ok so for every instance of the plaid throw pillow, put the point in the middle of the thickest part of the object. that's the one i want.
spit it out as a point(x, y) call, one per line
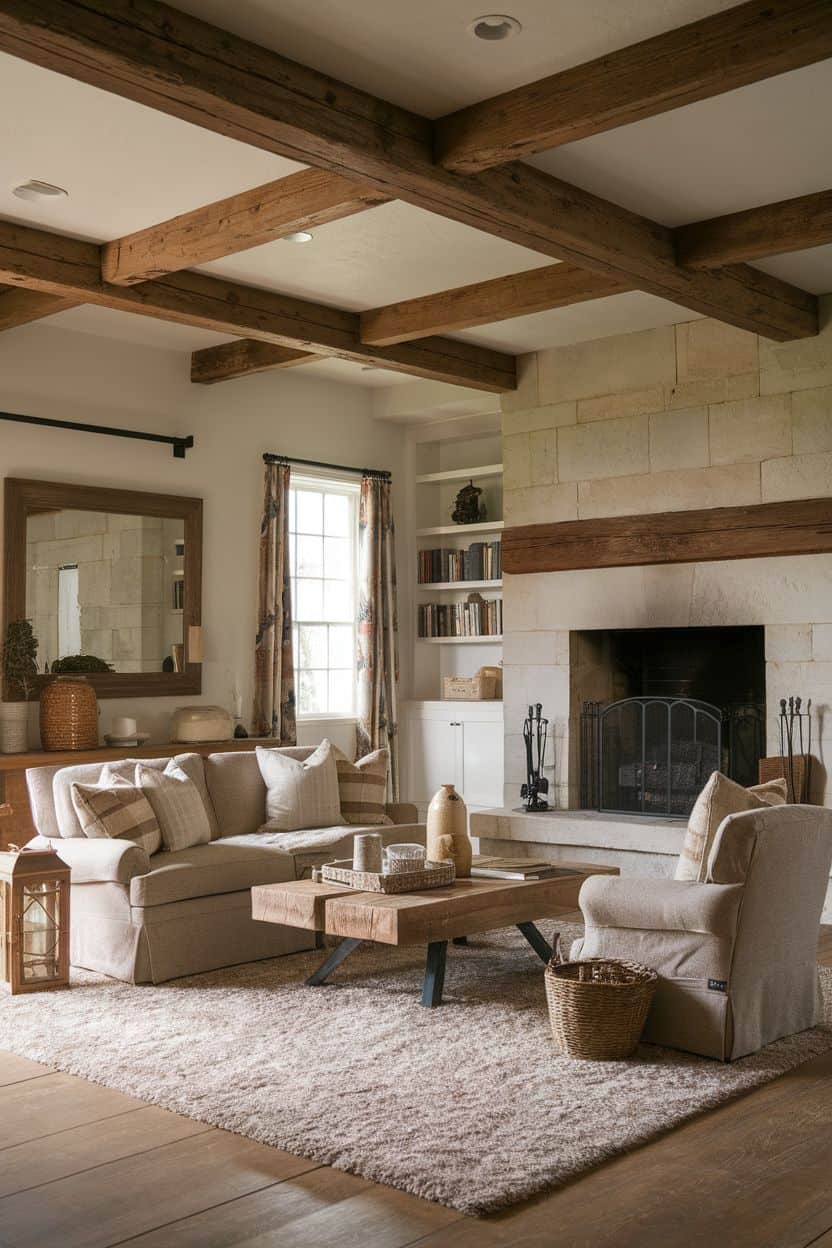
point(362, 787)
point(177, 805)
point(119, 811)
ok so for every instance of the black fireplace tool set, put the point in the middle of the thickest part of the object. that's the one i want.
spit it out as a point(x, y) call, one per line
point(794, 750)
point(535, 733)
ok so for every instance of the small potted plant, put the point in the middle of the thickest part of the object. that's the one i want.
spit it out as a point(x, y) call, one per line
point(20, 670)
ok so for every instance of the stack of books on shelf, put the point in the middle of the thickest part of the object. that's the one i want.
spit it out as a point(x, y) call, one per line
point(480, 562)
point(482, 618)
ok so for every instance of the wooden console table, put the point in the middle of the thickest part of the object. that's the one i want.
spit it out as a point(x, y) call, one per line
point(16, 826)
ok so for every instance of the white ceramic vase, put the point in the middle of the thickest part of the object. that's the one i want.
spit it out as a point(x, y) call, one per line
point(447, 830)
point(14, 719)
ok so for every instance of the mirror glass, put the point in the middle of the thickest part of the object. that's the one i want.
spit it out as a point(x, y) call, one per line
point(107, 586)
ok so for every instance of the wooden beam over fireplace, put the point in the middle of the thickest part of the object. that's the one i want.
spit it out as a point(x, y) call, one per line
point(801, 527)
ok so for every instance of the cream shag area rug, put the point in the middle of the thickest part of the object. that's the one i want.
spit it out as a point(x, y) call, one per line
point(467, 1104)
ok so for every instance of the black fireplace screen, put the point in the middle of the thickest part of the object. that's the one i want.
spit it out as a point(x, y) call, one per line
point(653, 754)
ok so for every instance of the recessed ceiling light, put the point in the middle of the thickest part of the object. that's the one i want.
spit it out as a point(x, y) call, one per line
point(35, 189)
point(494, 26)
point(298, 236)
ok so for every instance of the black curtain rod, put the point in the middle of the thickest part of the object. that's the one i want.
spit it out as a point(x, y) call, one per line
point(268, 458)
point(180, 445)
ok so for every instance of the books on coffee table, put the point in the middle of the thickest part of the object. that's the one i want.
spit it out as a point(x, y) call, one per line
point(490, 868)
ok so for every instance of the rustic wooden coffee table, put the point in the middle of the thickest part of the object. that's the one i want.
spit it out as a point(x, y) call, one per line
point(431, 918)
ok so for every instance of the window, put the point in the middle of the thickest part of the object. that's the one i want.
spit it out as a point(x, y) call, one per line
point(323, 530)
point(69, 611)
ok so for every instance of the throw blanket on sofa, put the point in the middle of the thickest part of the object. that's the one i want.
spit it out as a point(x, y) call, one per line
point(306, 840)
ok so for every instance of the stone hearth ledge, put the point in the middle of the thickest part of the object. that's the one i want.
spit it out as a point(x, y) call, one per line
point(636, 844)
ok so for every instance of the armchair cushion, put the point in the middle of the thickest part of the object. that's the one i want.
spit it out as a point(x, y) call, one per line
point(719, 798)
point(102, 860)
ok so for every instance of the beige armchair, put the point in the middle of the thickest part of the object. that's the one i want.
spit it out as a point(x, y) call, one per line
point(736, 955)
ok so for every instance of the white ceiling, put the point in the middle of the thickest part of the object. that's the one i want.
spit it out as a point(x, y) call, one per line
point(127, 166)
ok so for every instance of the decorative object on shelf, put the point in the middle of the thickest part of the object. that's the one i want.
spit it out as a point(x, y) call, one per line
point(177, 653)
point(535, 733)
point(125, 732)
point(201, 723)
point(421, 875)
point(20, 670)
point(447, 831)
point(367, 852)
point(403, 858)
point(597, 1007)
point(467, 506)
point(34, 920)
point(495, 670)
point(795, 745)
point(68, 714)
point(79, 663)
point(479, 688)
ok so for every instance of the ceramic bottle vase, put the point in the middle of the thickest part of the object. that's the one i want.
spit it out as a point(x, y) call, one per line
point(447, 835)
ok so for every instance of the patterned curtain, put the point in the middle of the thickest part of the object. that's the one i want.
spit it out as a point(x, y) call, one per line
point(378, 627)
point(274, 672)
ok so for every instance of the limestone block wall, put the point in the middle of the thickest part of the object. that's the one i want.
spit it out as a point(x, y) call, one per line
point(687, 416)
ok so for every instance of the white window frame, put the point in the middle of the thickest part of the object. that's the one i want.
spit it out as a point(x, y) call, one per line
point(347, 485)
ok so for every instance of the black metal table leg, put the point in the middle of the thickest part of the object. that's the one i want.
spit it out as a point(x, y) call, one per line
point(537, 940)
point(338, 955)
point(434, 973)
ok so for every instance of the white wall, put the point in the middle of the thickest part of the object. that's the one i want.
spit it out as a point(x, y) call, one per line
point(46, 371)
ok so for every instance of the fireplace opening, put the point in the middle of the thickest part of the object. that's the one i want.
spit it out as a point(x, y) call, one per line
point(655, 711)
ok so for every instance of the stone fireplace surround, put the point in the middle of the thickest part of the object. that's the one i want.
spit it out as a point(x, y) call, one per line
point(677, 418)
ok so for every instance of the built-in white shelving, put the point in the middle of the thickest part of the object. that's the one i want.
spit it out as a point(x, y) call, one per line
point(445, 586)
point(494, 640)
point(457, 530)
point(460, 474)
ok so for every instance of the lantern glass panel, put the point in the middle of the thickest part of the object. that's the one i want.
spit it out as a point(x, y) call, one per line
point(41, 931)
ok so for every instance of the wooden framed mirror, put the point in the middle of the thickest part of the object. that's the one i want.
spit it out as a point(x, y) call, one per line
point(116, 574)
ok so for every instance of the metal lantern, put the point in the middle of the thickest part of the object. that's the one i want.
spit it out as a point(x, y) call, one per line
point(34, 920)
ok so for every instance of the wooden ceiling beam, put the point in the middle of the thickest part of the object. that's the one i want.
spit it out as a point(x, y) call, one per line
point(20, 307)
point(71, 269)
point(770, 230)
point(187, 68)
point(501, 298)
point(719, 53)
point(301, 201)
point(242, 356)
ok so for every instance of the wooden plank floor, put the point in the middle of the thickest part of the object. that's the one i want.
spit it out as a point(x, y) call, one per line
point(84, 1167)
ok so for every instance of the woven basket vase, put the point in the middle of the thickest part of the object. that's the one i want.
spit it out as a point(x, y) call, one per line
point(68, 715)
point(598, 1007)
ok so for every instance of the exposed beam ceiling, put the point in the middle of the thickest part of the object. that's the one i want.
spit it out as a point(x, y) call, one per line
point(483, 303)
point(19, 307)
point(302, 201)
point(706, 58)
point(791, 225)
point(240, 357)
point(187, 68)
point(72, 269)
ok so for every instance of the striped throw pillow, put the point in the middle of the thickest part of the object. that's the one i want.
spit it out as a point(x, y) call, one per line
point(362, 787)
point(177, 805)
point(120, 811)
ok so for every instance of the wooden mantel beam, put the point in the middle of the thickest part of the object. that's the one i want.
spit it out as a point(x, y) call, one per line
point(719, 53)
point(803, 527)
point(301, 201)
point(185, 67)
point(71, 269)
point(791, 225)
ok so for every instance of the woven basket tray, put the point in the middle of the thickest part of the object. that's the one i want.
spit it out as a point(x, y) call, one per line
point(598, 1007)
point(431, 875)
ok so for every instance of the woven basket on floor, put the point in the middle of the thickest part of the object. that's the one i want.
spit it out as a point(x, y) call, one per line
point(68, 714)
point(598, 1007)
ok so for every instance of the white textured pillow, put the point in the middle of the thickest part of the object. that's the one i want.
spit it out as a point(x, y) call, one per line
point(300, 794)
point(177, 804)
point(719, 798)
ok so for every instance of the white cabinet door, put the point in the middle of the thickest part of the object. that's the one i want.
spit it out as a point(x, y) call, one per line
point(482, 762)
point(433, 757)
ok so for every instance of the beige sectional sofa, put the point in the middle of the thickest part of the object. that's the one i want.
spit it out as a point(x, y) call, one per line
point(148, 919)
